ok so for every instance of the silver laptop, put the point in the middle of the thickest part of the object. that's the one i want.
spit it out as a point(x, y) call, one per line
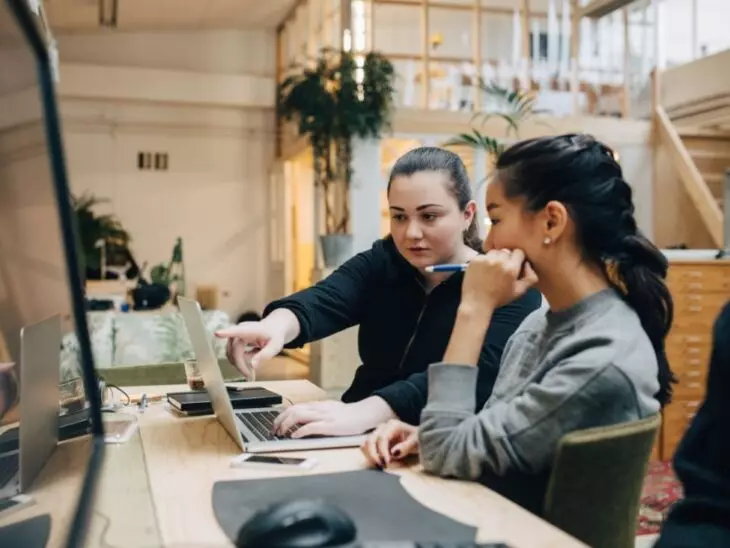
point(251, 429)
point(40, 376)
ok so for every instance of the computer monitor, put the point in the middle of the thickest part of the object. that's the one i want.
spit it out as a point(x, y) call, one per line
point(40, 272)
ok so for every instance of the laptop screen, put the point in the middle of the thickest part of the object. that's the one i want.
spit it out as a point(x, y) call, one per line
point(39, 259)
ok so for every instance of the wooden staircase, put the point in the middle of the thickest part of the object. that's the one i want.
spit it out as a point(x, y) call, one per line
point(691, 110)
point(711, 155)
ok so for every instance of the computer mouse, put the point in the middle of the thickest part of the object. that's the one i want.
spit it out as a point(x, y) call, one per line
point(297, 523)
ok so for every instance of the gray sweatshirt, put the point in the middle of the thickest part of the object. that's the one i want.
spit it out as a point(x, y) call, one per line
point(591, 365)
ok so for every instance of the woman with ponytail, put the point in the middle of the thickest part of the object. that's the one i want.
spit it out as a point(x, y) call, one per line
point(563, 221)
point(405, 314)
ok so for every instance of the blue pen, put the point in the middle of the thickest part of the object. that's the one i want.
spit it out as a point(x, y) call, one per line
point(447, 267)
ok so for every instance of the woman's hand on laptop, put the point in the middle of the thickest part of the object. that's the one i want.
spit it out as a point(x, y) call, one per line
point(333, 418)
point(391, 441)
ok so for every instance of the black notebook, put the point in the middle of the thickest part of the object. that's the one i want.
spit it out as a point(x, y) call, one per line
point(198, 401)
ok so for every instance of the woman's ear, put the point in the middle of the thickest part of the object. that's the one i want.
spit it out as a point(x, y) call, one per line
point(470, 212)
point(555, 220)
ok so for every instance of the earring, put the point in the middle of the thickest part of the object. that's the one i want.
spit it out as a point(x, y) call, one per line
point(548, 240)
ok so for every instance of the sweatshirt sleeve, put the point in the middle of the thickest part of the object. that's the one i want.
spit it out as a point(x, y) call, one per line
point(332, 304)
point(521, 433)
point(407, 398)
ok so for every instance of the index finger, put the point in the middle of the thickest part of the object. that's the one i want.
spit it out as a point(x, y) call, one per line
point(385, 441)
point(516, 258)
point(234, 331)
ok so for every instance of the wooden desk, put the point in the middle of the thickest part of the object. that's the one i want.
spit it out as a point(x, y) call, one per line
point(155, 490)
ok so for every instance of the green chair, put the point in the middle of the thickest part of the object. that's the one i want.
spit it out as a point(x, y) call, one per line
point(596, 480)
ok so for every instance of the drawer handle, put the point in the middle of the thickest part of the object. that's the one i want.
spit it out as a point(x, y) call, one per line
point(694, 286)
point(693, 373)
point(694, 308)
point(694, 385)
point(693, 351)
point(695, 273)
point(690, 338)
point(691, 416)
point(694, 297)
point(692, 404)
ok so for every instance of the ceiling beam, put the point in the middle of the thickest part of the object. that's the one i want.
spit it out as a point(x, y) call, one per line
point(600, 8)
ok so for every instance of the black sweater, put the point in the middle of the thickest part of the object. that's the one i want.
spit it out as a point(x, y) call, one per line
point(702, 460)
point(402, 328)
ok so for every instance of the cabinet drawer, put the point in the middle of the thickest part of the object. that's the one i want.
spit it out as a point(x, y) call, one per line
point(677, 417)
point(691, 383)
point(699, 278)
point(688, 351)
point(688, 358)
point(693, 321)
point(695, 303)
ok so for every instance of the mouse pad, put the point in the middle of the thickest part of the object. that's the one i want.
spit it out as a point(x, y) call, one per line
point(380, 507)
point(29, 533)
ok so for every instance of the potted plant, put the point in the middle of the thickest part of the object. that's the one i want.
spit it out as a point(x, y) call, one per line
point(103, 240)
point(514, 107)
point(333, 99)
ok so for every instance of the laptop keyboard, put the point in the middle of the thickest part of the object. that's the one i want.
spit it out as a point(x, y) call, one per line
point(261, 423)
point(9, 465)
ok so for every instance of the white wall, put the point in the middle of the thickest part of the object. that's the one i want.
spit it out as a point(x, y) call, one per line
point(214, 51)
point(214, 194)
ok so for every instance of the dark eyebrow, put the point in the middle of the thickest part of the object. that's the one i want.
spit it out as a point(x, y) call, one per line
point(419, 208)
point(491, 206)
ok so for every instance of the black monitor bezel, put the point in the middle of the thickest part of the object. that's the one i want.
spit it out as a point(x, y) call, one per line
point(29, 27)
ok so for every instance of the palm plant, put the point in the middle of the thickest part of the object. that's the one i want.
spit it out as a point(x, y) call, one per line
point(334, 98)
point(95, 230)
point(514, 107)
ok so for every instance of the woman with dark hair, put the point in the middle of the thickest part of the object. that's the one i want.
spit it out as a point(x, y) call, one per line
point(404, 313)
point(702, 461)
point(563, 220)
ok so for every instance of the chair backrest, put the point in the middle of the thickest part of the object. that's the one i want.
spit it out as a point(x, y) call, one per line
point(595, 484)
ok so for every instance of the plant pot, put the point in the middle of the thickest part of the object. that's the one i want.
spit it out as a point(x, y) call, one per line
point(336, 249)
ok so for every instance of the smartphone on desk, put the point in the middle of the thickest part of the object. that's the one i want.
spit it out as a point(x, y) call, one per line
point(12, 504)
point(272, 461)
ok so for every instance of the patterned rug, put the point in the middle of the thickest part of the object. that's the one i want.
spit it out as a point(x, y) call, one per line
point(661, 490)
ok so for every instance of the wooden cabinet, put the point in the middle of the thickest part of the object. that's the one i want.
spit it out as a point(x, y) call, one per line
point(700, 290)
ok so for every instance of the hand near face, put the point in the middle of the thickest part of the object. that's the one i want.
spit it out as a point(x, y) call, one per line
point(393, 440)
point(496, 279)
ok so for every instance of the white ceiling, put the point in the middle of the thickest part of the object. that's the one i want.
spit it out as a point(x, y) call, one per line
point(83, 15)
